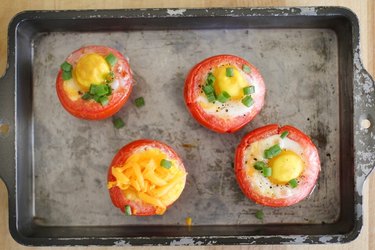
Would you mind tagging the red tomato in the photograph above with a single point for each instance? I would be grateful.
(193, 88)
(89, 109)
(118, 199)
(307, 179)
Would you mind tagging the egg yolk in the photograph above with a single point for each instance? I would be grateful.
(143, 178)
(233, 85)
(285, 167)
(90, 69)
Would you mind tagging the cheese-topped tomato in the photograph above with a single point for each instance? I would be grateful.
(276, 166)
(94, 82)
(145, 178)
(224, 93)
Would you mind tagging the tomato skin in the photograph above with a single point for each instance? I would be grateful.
(196, 77)
(91, 110)
(118, 199)
(312, 165)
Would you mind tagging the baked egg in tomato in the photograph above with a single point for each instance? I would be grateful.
(224, 93)
(145, 178)
(276, 166)
(94, 82)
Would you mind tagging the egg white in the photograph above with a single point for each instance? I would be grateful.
(255, 152)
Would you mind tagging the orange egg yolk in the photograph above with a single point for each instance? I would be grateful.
(286, 166)
(233, 85)
(90, 69)
(143, 178)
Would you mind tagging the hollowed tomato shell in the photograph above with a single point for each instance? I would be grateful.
(91, 110)
(311, 170)
(117, 197)
(197, 76)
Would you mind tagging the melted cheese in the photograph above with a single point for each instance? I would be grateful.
(142, 178)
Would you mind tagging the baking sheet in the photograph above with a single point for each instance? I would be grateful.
(71, 156)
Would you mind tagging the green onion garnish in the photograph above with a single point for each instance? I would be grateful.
(99, 89)
(259, 215)
(247, 101)
(223, 97)
(118, 122)
(229, 72)
(139, 102)
(66, 66)
(272, 151)
(111, 59)
(259, 165)
(246, 68)
(293, 183)
(110, 77)
(248, 90)
(87, 96)
(210, 79)
(103, 100)
(267, 172)
(99, 93)
(67, 75)
(128, 210)
(284, 134)
(166, 164)
(208, 89)
(211, 97)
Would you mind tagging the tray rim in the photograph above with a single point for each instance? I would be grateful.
(363, 166)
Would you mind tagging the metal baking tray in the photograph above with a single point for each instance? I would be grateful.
(55, 165)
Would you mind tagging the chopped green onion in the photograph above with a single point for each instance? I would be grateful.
(211, 97)
(259, 215)
(247, 101)
(118, 122)
(208, 89)
(248, 90)
(109, 89)
(246, 68)
(128, 210)
(96, 98)
(272, 151)
(259, 165)
(66, 66)
(110, 77)
(111, 59)
(284, 134)
(67, 75)
(293, 183)
(103, 100)
(99, 89)
(210, 79)
(166, 164)
(223, 97)
(267, 172)
(139, 102)
(229, 72)
(87, 96)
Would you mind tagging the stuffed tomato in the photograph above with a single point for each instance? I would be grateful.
(276, 166)
(145, 178)
(224, 93)
(94, 82)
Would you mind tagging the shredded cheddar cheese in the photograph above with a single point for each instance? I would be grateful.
(141, 178)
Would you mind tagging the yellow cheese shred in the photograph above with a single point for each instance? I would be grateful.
(142, 178)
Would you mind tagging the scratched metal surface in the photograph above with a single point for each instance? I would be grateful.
(71, 156)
